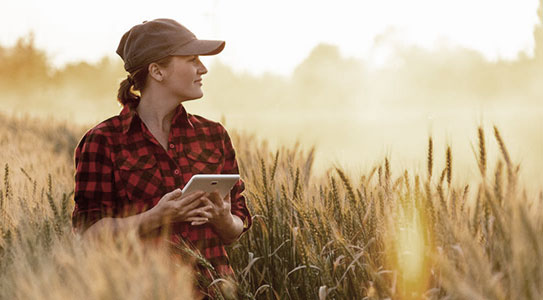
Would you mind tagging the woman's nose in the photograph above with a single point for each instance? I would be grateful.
(202, 68)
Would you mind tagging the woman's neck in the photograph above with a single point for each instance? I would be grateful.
(157, 112)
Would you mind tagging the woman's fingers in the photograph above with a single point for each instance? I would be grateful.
(186, 197)
(205, 212)
(194, 221)
(227, 198)
(194, 195)
(189, 201)
(206, 202)
(197, 219)
(198, 210)
(197, 223)
(216, 198)
(173, 195)
(194, 203)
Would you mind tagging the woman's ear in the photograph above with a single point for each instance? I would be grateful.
(156, 72)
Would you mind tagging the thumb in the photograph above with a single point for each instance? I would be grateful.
(227, 198)
(216, 197)
(174, 194)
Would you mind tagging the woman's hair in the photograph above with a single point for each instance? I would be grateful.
(136, 82)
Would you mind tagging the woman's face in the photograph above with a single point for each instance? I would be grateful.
(184, 77)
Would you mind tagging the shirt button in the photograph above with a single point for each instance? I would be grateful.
(176, 172)
(172, 146)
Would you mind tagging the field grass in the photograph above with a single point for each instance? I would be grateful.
(382, 233)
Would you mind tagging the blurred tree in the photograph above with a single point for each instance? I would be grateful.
(325, 78)
(99, 81)
(24, 67)
(228, 91)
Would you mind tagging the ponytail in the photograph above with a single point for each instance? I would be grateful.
(131, 87)
(125, 93)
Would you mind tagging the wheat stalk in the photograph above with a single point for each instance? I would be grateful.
(430, 161)
(449, 166)
(482, 152)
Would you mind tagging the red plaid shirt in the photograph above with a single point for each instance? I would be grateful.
(121, 170)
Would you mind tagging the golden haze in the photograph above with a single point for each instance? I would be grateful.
(356, 114)
(353, 111)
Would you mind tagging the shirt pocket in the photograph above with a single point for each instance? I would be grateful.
(205, 160)
(142, 181)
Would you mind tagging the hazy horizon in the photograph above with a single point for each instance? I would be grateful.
(354, 110)
(263, 36)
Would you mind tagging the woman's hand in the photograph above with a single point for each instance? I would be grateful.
(218, 214)
(175, 207)
(172, 207)
(217, 210)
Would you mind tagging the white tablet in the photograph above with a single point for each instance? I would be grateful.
(209, 182)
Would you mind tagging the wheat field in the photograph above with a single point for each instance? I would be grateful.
(387, 233)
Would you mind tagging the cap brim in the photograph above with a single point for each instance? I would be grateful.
(200, 47)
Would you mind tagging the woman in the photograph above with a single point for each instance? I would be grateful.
(130, 168)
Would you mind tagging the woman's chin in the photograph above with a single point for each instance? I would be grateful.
(193, 97)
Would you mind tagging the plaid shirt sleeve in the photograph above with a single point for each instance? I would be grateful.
(94, 182)
(238, 204)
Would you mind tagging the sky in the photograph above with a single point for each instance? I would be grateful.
(275, 36)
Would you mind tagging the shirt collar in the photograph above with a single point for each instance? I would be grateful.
(129, 112)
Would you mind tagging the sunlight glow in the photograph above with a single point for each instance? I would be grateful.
(273, 36)
(410, 254)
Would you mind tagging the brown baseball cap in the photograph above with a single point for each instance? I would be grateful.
(156, 39)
